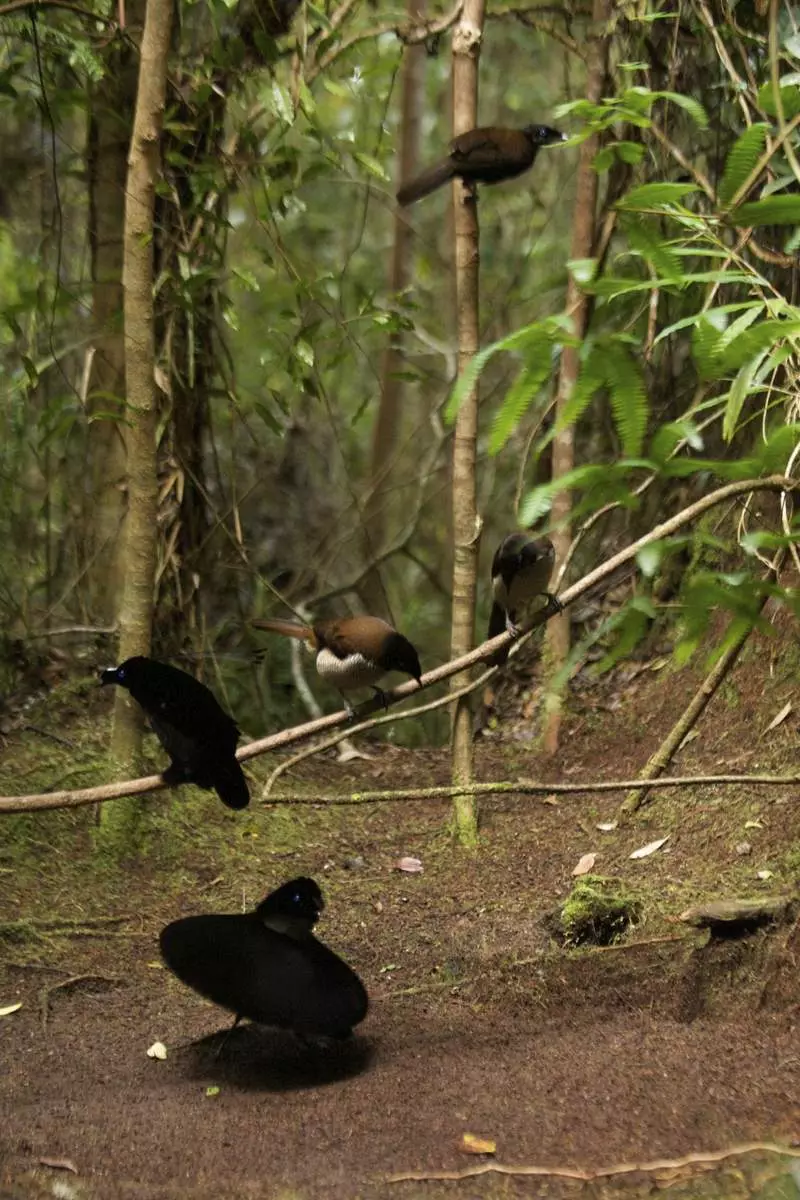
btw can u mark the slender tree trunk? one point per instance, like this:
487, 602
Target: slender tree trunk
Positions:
387, 426
112, 103
467, 37
136, 609
583, 236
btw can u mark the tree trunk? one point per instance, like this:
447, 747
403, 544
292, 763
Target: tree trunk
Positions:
467, 37
388, 420
583, 236
136, 609
112, 103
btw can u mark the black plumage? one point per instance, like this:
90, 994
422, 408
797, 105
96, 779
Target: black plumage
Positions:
195, 731
267, 965
486, 155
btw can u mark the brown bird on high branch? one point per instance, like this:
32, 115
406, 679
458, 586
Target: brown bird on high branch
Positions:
352, 652
487, 155
521, 570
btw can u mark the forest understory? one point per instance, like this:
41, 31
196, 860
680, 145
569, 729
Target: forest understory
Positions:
666, 1044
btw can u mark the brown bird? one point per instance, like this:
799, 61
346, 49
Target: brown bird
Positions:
487, 155
352, 652
521, 570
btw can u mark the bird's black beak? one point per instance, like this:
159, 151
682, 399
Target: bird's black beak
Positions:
107, 675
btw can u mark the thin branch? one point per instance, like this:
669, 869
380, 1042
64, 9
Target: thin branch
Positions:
7, 10
588, 1174
286, 737
409, 35
516, 787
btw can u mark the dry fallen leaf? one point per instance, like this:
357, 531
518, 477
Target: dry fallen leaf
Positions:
650, 848
607, 826
59, 1164
780, 717
762, 875
9, 1009
472, 1144
411, 866
157, 1050
585, 864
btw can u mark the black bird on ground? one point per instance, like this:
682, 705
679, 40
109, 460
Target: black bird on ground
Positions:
196, 733
352, 652
521, 570
487, 155
267, 965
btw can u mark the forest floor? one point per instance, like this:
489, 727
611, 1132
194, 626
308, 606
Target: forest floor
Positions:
661, 1046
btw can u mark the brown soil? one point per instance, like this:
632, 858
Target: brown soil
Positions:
656, 1047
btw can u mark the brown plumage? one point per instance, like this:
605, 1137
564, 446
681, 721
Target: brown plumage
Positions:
352, 652
486, 155
521, 570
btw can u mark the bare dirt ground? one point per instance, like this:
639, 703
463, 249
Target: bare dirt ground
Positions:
658, 1047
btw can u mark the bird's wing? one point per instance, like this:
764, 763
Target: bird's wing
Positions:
476, 148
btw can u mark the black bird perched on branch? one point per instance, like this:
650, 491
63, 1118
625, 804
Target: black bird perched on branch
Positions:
352, 652
521, 570
487, 155
267, 965
196, 733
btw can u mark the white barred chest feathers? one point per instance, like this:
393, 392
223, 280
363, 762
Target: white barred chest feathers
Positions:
354, 671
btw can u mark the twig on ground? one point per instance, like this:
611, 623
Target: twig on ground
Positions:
72, 982
528, 788
586, 1175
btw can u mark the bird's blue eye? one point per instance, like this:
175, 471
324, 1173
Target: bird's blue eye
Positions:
121, 674
296, 898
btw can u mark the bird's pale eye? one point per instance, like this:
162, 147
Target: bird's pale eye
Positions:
297, 898
121, 675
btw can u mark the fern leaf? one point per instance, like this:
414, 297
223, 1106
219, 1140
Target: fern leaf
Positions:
775, 210
628, 397
740, 390
743, 156
654, 249
591, 378
522, 391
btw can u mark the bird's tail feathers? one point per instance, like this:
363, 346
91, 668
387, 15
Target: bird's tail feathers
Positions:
230, 785
425, 183
497, 625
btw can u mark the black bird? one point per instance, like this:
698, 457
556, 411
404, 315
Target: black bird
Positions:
521, 570
487, 155
196, 733
267, 965
352, 652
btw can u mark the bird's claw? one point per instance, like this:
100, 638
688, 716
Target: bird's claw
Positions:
554, 605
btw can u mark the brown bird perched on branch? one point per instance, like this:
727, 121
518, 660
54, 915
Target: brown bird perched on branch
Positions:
521, 570
487, 155
352, 652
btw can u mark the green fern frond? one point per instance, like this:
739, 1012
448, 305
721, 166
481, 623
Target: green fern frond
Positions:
743, 156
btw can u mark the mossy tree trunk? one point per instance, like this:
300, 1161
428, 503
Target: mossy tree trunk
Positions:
467, 38
136, 608
112, 101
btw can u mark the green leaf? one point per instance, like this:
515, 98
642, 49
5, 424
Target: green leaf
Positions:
749, 342
706, 340
743, 156
591, 378
561, 331
654, 249
790, 97
370, 164
688, 104
630, 152
628, 397
523, 391
649, 558
740, 389
775, 210
651, 195
539, 501
583, 270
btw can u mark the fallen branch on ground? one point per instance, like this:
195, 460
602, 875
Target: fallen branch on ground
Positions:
276, 741
587, 1175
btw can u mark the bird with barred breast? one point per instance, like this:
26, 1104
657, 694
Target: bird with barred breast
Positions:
351, 652
521, 570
